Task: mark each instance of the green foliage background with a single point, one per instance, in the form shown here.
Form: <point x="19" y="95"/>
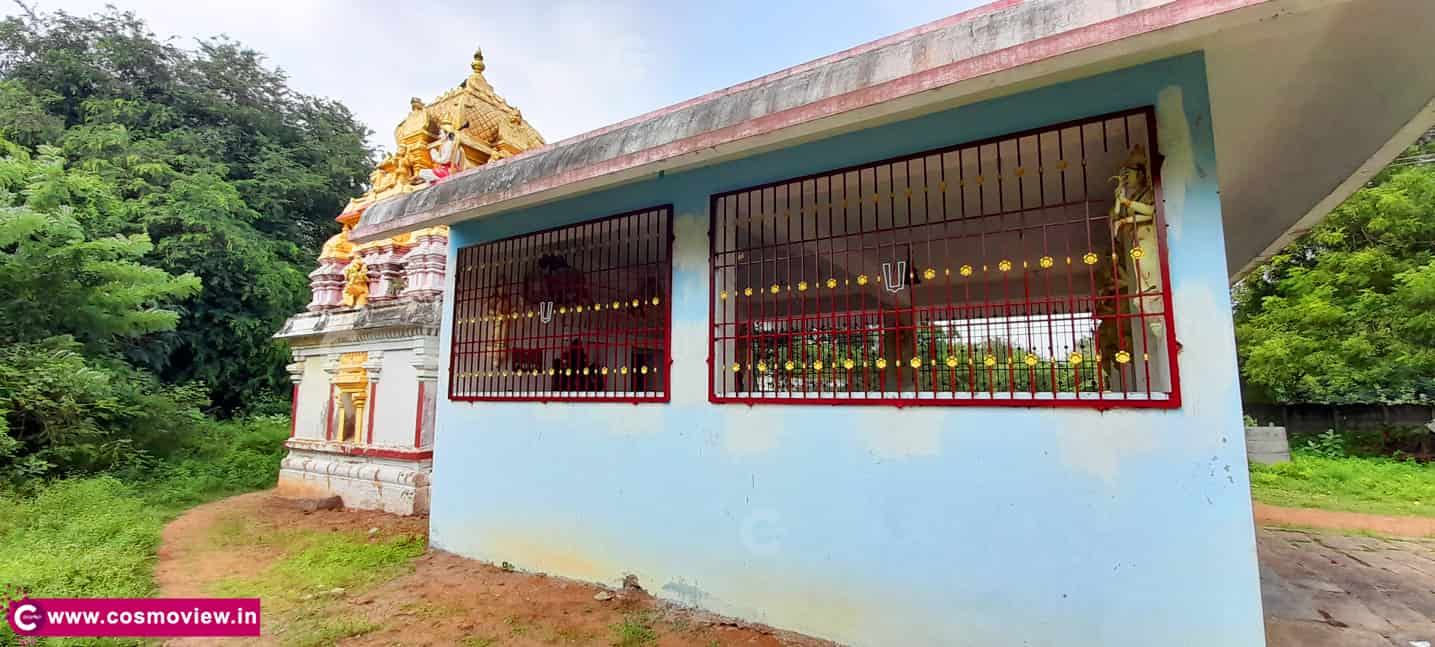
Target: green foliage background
<point x="160" y="208"/>
<point x="1346" y="314"/>
<point x="231" y="176"/>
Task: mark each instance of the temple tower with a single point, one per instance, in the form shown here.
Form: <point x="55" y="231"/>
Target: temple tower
<point x="366" y="353"/>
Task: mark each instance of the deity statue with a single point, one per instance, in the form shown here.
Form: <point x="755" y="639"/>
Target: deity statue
<point x="1135" y="197"/>
<point x="338" y="246"/>
<point x="356" y="284"/>
<point x="404" y="168"/>
<point x="385" y="176"/>
<point x="1133" y="224"/>
<point x="445" y="154"/>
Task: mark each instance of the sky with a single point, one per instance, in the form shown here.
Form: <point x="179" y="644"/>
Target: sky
<point x="570" y="65"/>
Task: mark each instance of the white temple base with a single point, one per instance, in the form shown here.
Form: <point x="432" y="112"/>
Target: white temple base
<point x="364" y="478"/>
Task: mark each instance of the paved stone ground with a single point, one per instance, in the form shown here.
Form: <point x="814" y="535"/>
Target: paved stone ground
<point x="1323" y="589"/>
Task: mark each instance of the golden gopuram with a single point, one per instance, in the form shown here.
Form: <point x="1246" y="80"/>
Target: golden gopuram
<point x="366" y="352"/>
<point x="463" y="128"/>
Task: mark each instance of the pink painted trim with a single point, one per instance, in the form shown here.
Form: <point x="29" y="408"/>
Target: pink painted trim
<point x="373" y="399"/>
<point x="1134" y="24"/>
<point x="294" y="412"/>
<point x="362" y="451"/>
<point x="419" y="419"/>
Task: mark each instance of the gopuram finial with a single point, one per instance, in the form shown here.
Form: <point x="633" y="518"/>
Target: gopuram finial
<point x="477" y="65"/>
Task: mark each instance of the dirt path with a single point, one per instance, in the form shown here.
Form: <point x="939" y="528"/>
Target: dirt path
<point x="1270" y="515"/>
<point x="437" y="599"/>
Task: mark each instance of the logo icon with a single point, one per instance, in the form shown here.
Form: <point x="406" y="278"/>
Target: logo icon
<point x="894" y="284"/>
<point x="21" y="612"/>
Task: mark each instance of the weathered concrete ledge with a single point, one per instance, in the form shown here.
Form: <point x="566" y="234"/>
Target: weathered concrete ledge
<point x="402" y="318"/>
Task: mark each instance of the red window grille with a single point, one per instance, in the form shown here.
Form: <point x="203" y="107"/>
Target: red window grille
<point x="999" y="272"/>
<point x="573" y="313"/>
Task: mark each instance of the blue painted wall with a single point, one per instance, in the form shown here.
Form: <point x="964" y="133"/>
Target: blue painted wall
<point x="880" y="526"/>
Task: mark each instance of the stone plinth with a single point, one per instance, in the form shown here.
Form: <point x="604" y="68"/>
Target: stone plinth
<point x="1267" y="445"/>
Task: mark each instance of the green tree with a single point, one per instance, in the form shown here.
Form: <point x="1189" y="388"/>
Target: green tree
<point x="66" y="404"/>
<point x="234" y="176"/>
<point x="63" y="283"/>
<point x="1346" y="314"/>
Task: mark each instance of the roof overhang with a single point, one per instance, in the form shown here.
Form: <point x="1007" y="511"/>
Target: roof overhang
<point x="1280" y="71"/>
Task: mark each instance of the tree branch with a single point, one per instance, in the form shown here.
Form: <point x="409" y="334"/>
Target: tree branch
<point x="29" y="11"/>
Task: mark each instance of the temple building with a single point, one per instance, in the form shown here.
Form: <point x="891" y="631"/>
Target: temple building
<point x="366" y="353"/>
<point x="926" y="342"/>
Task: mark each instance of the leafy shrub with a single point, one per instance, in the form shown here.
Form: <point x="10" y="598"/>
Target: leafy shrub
<point x="1346" y="313"/>
<point x="1327" y="445"/>
<point x="66" y="414"/>
<point x="220" y="459"/>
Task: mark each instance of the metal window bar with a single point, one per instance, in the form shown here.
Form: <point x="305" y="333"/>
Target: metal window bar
<point x="576" y="313"/>
<point x="987" y="273"/>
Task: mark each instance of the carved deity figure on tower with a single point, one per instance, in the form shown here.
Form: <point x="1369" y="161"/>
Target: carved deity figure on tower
<point x="445" y="154"/>
<point x="356" y="284"/>
<point x="338" y="246"/>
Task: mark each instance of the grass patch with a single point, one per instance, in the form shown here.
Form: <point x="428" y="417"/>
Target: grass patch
<point x="330" y="631"/>
<point x="1353" y="484"/>
<point x="570" y="636"/>
<point x="317" y="568"/>
<point x="224" y="459"/>
<point x="634" y="631"/>
<point x="347" y="559"/>
<point x="319" y="562"/>
<point x="428" y="610"/>
<point x="517" y="626"/>
<point x="80" y="538"/>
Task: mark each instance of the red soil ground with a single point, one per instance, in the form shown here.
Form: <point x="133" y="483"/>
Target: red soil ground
<point x="1270" y="515"/>
<point x="444" y="600"/>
